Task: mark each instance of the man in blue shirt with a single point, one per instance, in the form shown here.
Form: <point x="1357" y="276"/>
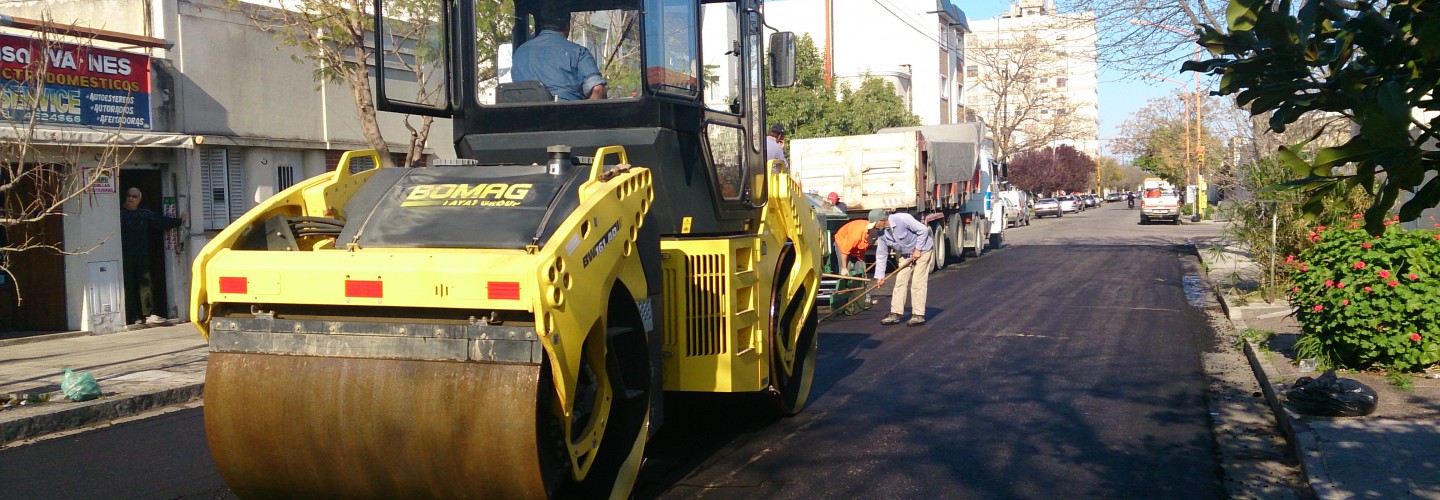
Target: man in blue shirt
<point x="565" y="67"/>
<point x="910" y="239"/>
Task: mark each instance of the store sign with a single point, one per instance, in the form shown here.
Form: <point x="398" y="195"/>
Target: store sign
<point x="83" y="85"/>
<point x="104" y="182"/>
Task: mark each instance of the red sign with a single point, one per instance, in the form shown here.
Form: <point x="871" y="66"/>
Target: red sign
<point x="83" y="85"/>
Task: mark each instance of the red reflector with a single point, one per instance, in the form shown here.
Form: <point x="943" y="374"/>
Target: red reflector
<point x="365" y="289"/>
<point x="234" y="284"/>
<point x="503" y="290"/>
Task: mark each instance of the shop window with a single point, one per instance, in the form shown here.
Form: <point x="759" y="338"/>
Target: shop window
<point x="222" y="182"/>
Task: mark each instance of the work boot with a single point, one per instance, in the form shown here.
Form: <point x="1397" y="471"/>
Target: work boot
<point x="890" y="319"/>
<point x="915" y="321"/>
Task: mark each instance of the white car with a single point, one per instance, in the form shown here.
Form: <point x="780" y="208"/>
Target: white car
<point x="1069" y="204"/>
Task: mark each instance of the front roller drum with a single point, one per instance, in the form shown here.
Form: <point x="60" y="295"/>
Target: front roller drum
<point x="288" y="425"/>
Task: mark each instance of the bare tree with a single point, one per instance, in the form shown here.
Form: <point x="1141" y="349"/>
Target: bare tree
<point x="1139" y="37"/>
<point x="1019" y="98"/>
<point x="336" y="38"/>
<point x="43" y="177"/>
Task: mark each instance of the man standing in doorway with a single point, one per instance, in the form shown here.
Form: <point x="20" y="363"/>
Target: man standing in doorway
<point x="911" y="240"/>
<point x="136" y="227"/>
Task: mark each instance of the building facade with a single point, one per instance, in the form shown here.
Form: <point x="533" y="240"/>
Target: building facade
<point x="1058" y="103"/>
<point x="917" y="45"/>
<point x="228" y="120"/>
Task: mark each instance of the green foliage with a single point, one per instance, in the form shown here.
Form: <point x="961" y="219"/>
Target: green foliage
<point x="1370" y="301"/>
<point x="1257" y="337"/>
<point x="1400" y="380"/>
<point x="1252" y="218"/>
<point x="874" y="106"/>
<point x="810" y="109"/>
<point x="1376" y="63"/>
<point x="1164" y="154"/>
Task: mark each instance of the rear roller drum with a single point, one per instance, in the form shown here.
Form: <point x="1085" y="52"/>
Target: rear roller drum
<point x="793" y="342"/>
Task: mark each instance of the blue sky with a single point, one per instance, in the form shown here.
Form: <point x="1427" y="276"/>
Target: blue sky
<point x="1120" y="94"/>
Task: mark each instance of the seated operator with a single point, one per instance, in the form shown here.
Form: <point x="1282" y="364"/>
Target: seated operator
<point x="565" y="67"/>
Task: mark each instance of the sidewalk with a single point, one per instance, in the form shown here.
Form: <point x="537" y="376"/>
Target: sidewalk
<point x="137" y="370"/>
<point x="1392" y="453"/>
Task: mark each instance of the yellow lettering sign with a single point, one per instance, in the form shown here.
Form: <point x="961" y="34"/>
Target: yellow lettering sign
<point x="465" y="195"/>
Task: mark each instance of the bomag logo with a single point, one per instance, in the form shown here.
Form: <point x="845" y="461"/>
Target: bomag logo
<point x="467" y="195"/>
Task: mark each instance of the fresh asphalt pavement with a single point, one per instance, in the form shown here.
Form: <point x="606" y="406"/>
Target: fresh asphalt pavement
<point x="1065" y="364"/>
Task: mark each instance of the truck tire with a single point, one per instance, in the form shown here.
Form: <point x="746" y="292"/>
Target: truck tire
<point x="1144" y="220"/>
<point x="997" y="240"/>
<point x="976" y="240"/>
<point x="938" y="236"/>
<point x="956" y="245"/>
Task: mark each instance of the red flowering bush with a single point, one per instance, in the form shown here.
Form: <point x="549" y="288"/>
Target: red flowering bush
<point x="1353" y="306"/>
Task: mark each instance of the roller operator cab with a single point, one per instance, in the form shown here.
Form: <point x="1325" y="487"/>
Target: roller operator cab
<point x="504" y="324"/>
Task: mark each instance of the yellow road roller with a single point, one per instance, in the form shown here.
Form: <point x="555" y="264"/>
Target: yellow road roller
<point x="504" y="324"/>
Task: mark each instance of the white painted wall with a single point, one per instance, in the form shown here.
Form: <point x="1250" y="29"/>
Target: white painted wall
<point x="93" y="225"/>
<point x="881" y="38"/>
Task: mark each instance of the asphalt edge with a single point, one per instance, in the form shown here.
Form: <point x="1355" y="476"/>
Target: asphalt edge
<point x="1304" y="445"/>
<point x="95" y="412"/>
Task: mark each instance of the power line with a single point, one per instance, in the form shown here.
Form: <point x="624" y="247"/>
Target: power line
<point x="908" y="23"/>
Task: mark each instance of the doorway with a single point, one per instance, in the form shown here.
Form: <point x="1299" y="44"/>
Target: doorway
<point x="149" y="182"/>
<point x="38" y="272"/>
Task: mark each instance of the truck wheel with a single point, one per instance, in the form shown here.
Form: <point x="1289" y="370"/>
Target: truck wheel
<point x="938" y="236"/>
<point x="1144" y="220"/>
<point x="997" y="240"/>
<point x="956" y="247"/>
<point x="977" y="241"/>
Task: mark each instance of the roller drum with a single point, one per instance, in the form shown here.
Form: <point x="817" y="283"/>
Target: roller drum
<point x="296" y="425"/>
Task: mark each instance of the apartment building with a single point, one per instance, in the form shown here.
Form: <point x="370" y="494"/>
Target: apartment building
<point x="1035" y="69"/>
<point x="917" y="45"/>
<point x="215" y="119"/>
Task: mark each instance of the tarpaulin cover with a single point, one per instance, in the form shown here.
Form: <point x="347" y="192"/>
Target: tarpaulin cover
<point x="954" y="149"/>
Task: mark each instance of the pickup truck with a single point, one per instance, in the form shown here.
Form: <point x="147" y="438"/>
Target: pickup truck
<point x="1159" y="201"/>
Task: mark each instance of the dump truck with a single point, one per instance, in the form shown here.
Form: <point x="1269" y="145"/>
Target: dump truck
<point x="504" y="324"/>
<point x="944" y="175"/>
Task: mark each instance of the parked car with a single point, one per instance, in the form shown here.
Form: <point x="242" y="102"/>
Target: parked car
<point x="1090" y="200"/>
<point x="1048" y="206"/>
<point x="1114" y="197"/>
<point x="1070" y="204"/>
<point x="1015" y="216"/>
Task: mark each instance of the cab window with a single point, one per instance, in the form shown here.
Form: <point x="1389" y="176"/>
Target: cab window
<point x="672" y="59"/>
<point x="720" y="69"/>
<point x="573" y="49"/>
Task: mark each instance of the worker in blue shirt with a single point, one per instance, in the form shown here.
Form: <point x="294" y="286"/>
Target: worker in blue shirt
<point x="566" y="68"/>
<point x="911" y="240"/>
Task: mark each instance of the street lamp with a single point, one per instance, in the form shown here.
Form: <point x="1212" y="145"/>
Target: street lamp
<point x="1199" y="130"/>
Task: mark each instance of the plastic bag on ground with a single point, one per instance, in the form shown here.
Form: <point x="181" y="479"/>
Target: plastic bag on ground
<point x="1330" y="396"/>
<point x="79" y="386"/>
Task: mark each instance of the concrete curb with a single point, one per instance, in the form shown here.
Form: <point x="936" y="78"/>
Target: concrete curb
<point x="41" y="338"/>
<point x="94" y="412"/>
<point x="1304" y="445"/>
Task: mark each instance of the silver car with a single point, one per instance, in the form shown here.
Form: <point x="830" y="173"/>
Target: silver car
<point x="1048" y="206"/>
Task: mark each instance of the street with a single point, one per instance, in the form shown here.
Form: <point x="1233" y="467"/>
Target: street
<point x="1067" y="363"/>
